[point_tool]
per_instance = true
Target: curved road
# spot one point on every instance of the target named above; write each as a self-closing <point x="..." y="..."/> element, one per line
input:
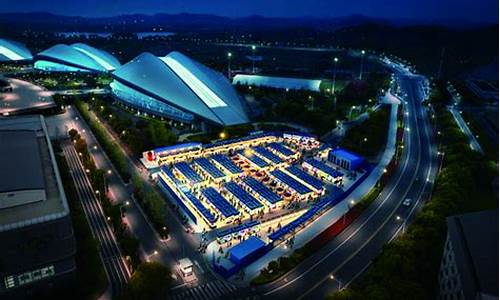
<point x="350" y="253"/>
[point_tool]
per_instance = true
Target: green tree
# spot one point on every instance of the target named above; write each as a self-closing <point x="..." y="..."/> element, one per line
<point x="150" y="281"/>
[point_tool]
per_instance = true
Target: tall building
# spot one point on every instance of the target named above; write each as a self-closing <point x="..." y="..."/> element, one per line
<point x="38" y="247"/>
<point x="469" y="267"/>
<point x="178" y="88"/>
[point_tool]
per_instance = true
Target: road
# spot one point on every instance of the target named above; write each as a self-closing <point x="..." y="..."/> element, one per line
<point x="350" y="253"/>
<point x="114" y="264"/>
<point x="118" y="191"/>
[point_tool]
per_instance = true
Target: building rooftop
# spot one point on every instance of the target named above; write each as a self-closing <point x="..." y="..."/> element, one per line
<point x="346" y="154"/>
<point x="246" y="248"/>
<point x="28" y="137"/>
<point x="13" y="51"/>
<point x="278" y="82"/>
<point x="182" y="83"/>
<point x="474" y="238"/>
<point x="24" y="97"/>
<point x="20" y="160"/>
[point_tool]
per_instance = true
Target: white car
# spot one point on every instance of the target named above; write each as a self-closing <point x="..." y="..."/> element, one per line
<point x="407" y="202"/>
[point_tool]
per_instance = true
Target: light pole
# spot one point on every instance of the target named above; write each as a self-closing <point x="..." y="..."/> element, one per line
<point x="399" y="219"/>
<point x="361" y="66"/>
<point x="253" y="58"/>
<point x="335" y="60"/>
<point x="229" y="54"/>
<point x="338" y="281"/>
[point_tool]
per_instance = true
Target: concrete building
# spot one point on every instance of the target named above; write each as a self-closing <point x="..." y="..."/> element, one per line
<point x="469" y="267"/>
<point x="37" y="243"/>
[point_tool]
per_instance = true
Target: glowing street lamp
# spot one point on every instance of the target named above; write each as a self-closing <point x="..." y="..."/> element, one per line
<point x="229" y="55"/>
<point x="253" y="58"/>
<point x="222" y="135"/>
<point x="335" y="60"/>
<point x="361" y="66"/>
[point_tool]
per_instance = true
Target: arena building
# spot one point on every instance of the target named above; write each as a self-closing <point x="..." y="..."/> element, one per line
<point x="178" y="88"/>
<point x="13" y="51"/>
<point x="75" y="58"/>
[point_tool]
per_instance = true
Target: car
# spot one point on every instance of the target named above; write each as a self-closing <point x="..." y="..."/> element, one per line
<point x="407" y="202"/>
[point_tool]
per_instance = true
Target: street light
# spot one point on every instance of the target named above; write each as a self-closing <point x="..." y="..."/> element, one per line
<point x="253" y="58"/>
<point x="361" y="66"/>
<point x="229" y="54"/>
<point x="338" y="281"/>
<point x="335" y="60"/>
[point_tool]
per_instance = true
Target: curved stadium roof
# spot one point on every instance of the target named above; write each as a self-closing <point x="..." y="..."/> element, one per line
<point x="80" y="56"/>
<point x="13" y="51"/>
<point x="179" y="81"/>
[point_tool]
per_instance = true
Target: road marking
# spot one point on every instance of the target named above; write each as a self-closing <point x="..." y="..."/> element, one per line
<point x="388" y="218"/>
<point x="359" y="228"/>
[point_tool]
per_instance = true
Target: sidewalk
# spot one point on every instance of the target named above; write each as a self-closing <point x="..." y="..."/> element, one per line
<point x="474" y="144"/>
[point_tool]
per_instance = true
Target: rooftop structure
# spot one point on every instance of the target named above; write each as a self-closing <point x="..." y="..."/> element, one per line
<point x="278" y="82"/>
<point x="23" y="97"/>
<point x="345" y="159"/>
<point x="245" y="250"/>
<point x="31" y="191"/>
<point x="13" y="51"/>
<point x="179" y="88"/>
<point x="38" y="245"/>
<point x="17" y="186"/>
<point x="75" y="58"/>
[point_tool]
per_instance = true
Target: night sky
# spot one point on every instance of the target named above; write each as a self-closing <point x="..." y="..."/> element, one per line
<point x="476" y="11"/>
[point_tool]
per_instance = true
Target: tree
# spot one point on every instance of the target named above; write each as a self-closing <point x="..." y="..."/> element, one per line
<point x="150" y="281"/>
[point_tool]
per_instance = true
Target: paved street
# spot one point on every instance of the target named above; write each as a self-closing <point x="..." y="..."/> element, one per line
<point x="113" y="261"/>
<point x="351" y="252"/>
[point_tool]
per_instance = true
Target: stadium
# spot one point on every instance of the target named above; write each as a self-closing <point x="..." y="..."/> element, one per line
<point x="75" y="58"/>
<point x="265" y="186"/>
<point x="13" y="51"/>
<point x="178" y="88"/>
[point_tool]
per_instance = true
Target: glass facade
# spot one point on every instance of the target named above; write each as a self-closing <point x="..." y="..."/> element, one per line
<point x="144" y="102"/>
<point x="55" y="67"/>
